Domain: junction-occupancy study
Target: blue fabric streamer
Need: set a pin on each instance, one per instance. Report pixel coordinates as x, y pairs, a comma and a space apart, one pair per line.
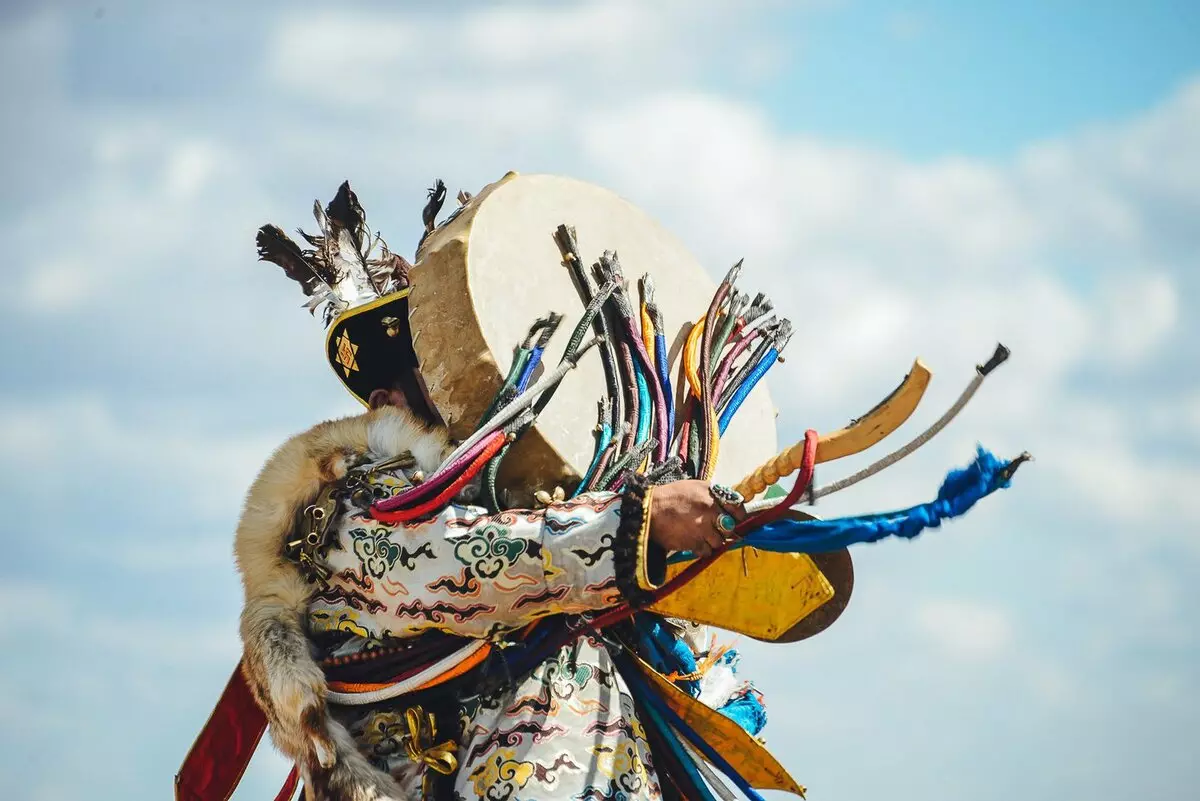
960, 491
746, 708
664, 378
739, 397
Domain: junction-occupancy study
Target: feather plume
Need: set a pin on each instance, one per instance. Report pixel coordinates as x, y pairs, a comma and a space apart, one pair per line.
389, 271
437, 196
347, 214
344, 265
278, 248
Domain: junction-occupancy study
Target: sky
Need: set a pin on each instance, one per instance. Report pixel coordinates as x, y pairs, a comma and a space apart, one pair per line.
906, 179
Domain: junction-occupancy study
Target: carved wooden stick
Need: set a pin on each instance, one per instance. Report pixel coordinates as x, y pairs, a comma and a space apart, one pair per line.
861, 434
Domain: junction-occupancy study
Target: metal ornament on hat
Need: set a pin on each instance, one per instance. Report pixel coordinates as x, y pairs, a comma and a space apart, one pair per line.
346, 353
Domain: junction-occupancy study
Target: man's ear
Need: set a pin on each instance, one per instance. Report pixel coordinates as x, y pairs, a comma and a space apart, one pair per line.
379, 398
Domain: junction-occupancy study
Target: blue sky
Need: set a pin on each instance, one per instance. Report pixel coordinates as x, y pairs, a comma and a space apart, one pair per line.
984, 79
906, 179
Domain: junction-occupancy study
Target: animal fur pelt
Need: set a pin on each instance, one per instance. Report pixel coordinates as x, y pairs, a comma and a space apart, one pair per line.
278, 660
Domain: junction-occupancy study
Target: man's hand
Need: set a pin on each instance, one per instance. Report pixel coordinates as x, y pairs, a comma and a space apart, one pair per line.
683, 517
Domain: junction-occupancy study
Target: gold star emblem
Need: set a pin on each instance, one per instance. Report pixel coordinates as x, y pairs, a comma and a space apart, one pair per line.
346, 351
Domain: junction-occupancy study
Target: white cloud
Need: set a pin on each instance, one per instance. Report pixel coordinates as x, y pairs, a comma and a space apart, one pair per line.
55, 287
966, 630
529, 36
189, 168
600, 48
1097, 458
54, 611
206, 472
1138, 313
308, 54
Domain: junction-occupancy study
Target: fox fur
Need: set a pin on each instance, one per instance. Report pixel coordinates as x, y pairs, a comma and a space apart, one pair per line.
277, 656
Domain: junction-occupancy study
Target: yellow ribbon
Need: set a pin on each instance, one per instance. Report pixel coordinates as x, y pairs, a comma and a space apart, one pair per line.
422, 729
691, 368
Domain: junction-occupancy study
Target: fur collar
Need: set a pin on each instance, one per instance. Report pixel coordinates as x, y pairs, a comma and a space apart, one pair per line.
287, 682
295, 473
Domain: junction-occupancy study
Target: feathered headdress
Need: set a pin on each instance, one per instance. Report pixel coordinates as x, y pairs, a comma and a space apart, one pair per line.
345, 265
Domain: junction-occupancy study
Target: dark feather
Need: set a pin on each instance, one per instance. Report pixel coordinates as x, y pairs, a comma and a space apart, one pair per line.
277, 247
317, 242
390, 270
437, 196
347, 214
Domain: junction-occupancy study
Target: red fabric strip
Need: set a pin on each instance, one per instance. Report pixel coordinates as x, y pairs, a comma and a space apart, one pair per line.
289, 785
215, 764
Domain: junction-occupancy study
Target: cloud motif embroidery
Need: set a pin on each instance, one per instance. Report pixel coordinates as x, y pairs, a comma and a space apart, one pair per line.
377, 553
489, 550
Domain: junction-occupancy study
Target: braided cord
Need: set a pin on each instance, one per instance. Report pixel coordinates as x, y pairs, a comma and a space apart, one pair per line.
602, 442
644, 406
520, 358
664, 380
746, 387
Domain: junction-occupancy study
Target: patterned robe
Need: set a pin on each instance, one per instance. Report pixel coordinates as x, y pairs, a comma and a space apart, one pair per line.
568, 730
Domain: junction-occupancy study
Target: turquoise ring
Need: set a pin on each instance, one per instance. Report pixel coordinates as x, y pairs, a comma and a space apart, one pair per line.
726, 523
725, 496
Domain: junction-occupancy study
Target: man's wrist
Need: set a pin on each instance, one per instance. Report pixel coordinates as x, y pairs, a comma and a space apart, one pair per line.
638, 561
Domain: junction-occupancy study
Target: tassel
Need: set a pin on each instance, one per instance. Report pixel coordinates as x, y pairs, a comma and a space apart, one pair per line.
665, 652
747, 711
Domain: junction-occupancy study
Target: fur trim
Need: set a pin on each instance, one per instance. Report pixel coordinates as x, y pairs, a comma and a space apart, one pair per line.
279, 665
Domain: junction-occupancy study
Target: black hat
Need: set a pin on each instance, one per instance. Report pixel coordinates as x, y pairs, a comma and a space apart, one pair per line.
361, 289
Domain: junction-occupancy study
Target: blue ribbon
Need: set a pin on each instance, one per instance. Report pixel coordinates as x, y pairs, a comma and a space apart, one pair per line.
665, 652
747, 711
961, 490
670, 738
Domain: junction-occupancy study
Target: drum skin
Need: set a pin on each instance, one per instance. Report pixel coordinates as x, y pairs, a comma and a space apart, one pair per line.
483, 277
